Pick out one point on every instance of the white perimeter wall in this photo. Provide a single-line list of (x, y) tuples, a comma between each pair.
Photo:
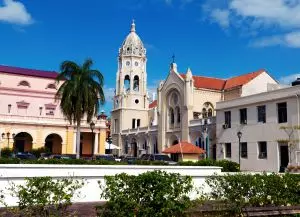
[(92, 174)]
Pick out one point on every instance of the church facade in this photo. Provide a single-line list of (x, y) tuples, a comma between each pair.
[(185, 107)]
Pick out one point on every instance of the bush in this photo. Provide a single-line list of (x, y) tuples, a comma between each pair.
[(151, 194), (43, 196), (9, 161), (38, 151), (6, 152), (227, 166), (246, 190)]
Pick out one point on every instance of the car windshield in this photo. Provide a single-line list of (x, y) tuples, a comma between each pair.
[(162, 157)]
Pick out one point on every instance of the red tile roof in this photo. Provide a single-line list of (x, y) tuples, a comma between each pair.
[(28, 72), (153, 104), (186, 148), (220, 84), (241, 80)]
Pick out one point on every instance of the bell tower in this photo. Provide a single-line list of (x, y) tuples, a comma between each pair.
[(130, 104)]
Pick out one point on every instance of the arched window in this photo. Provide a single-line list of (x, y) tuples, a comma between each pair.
[(204, 113), (171, 113), (127, 83), (210, 112), (208, 106), (136, 83), (178, 114), (24, 83), (51, 86)]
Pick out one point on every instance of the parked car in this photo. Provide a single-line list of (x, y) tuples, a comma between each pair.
[(129, 159), (25, 156), (105, 157), (158, 157), (58, 156)]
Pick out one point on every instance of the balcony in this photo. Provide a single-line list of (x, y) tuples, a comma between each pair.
[(203, 121), (41, 120), (140, 130)]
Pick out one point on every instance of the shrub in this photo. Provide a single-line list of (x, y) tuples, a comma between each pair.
[(151, 194), (43, 196), (38, 151), (9, 161), (2, 202), (6, 152), (227, 166), (244, 190)]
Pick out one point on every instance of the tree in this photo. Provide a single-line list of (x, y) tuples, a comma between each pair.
[(80, 94)]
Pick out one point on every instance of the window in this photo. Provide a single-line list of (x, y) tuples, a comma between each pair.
[(178, 114), (262, 150), (136, 83), (126, 83), (210, 112), (133, 123), (228, 150), (51, 86), (243, 116), (138, 122), (116, 126), (282, 112), (171, 116), (204, 113), (261, 114), (244, 150), (228, 119), (24, 83)]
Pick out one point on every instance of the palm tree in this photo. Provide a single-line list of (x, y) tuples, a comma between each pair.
[(80, 94)]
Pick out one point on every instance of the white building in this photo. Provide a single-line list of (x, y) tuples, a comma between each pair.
[(184, 109), (265, 145)]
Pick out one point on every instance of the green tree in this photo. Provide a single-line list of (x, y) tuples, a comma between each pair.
[(80, 94)]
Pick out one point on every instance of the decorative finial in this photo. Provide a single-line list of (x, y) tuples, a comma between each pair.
[(132, 26), (173, 58)]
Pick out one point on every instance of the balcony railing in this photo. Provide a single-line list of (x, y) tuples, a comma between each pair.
[(203, 121), (41, 120), (140, 130)]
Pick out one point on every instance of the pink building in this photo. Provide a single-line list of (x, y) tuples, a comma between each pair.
[(30, 117)]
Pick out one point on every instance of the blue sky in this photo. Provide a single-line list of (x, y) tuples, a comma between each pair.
[(217, 38)]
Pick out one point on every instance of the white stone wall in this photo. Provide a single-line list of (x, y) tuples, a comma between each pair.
[(92, 174)]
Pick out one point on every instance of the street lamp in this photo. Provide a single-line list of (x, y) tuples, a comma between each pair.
[(8, 138), (109, 142), (239, 135), (92, 126)]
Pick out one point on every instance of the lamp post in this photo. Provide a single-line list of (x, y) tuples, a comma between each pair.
[(109, 142), (92, 126), (7, 136), (239, 135)]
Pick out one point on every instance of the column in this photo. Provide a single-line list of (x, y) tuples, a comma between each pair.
[(96, 142), (74, 143)]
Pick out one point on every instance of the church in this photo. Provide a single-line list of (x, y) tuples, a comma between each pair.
[(184, 109)]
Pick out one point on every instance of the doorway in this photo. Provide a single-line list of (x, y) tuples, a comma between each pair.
[(214, 151), (284, 157)]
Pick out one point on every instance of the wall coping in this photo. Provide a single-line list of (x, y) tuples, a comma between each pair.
[(60, 166)]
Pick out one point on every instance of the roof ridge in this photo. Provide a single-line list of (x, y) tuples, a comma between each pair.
[(248, 73), (23, 68)]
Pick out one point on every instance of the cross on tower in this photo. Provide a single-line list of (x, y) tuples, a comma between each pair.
[(173, 58)]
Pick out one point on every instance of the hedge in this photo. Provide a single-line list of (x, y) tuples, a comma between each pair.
[(258, 190), (227, 166)]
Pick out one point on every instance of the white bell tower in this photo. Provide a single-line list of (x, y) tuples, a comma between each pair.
[(130, 104)]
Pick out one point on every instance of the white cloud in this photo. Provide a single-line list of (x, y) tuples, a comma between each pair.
[(221, 17), (290, 40), (289, 78), (109, 93), (15, 12), (260, 16)]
